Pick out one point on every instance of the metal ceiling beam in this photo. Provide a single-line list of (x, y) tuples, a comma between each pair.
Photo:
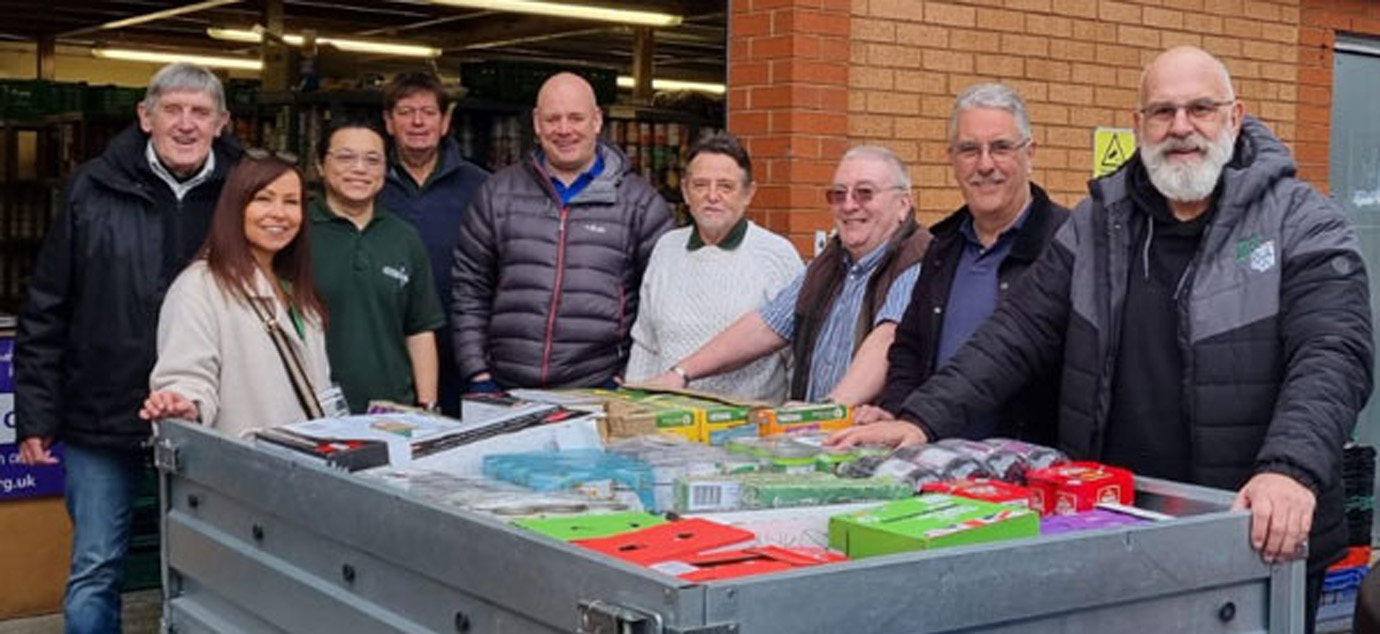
[(150, 17)]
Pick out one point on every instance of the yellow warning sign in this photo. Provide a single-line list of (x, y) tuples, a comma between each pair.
[(1111, 148)]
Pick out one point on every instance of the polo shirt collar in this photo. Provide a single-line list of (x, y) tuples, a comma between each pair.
[(730, 241), (969, 229), (569, 192), (318, 211)]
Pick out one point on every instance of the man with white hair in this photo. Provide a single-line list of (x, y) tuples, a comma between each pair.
[(129, 221), (839, 315), (1212, 316), (979, 253)]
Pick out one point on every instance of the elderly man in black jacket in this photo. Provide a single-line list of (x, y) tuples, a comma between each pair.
[(129, 221), (977, 254), (1213, 317)]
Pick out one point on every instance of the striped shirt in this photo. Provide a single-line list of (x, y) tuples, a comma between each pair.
[(834, 348)]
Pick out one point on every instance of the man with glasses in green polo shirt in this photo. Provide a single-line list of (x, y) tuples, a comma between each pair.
[(374, 273)]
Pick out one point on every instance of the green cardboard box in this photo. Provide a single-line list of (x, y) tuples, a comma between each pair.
[(926, 522), (590, 526)]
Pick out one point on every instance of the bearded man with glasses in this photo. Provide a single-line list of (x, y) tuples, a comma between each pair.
[(839, 316), (979, 253), (1210, 313)]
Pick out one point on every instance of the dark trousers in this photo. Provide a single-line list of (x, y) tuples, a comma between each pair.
[(1312, 596)]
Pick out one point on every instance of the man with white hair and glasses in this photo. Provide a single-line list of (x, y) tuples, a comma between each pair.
[(129, 221), (979, 253), (1212, 316), (839, 315)]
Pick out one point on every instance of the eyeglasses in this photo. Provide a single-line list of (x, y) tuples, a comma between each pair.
[(1001, 150), (347, 157), (261, 154), (1162, 114), (863, 194)]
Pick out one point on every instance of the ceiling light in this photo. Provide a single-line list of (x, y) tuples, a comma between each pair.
[(353, 46), (567, 10), (625, 81), (165, 57)]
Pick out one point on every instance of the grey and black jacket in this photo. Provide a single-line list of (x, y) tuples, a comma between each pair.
[(1274, 331), (545, 294)]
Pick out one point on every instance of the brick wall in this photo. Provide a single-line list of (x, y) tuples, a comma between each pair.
[(1077, 63), (788, 100), (886, 72), (1321, 21)]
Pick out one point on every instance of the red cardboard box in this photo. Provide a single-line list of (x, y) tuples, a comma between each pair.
[(1076, 487), (669, 541), (985, 489), (732, 564)]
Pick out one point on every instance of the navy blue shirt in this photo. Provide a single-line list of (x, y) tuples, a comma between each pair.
[(569, 192), (973, 297)]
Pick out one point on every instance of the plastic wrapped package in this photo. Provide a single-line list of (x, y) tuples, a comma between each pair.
[(592, 471), (493, 497), (924, 464), (1033, 456), (780, 490), (1004, 464)]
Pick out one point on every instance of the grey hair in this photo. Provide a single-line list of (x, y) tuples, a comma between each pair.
[(877, 152), (184, 76), (1217, 65), (993, 96)]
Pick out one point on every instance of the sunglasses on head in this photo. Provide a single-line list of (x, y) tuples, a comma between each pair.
[(260, 154)]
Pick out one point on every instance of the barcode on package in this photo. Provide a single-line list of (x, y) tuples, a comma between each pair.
[(713, 496)]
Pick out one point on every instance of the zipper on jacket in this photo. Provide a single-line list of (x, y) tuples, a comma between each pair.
[(555, 296)]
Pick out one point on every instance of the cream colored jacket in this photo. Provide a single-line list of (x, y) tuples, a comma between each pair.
[(214, 350)]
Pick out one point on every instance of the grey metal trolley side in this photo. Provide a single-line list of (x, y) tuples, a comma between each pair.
[(256, 542)]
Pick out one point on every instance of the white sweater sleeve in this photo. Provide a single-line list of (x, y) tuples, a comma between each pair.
[(189, 356), (646, 349)]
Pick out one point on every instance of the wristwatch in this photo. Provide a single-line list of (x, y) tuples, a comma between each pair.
[(680, 372)]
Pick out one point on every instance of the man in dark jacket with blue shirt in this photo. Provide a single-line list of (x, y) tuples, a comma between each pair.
[(978, 254), (1213, 317), (550, 257), (430, 185), (130, 220)]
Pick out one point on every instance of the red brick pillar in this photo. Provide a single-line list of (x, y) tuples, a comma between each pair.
[(788, 101)]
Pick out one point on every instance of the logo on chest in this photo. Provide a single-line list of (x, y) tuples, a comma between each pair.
[(1257, 253), (398, 273)]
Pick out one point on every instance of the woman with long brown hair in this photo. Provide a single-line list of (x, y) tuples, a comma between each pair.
[(241, 341)]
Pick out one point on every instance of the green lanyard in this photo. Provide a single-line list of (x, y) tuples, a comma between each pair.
[(293, 313)]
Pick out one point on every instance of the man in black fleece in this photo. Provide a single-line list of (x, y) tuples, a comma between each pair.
[(1210, 317)]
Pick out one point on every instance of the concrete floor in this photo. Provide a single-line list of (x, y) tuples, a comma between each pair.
[(141, 612)]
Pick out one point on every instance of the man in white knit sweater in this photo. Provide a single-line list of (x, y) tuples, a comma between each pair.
[(703, 277)]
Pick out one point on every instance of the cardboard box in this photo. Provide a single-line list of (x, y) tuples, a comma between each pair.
[(1077, 487), (590, 526), (732, 564), (636, 410), (702, 494), (669, 541), (795, 419), (984, 489), (37, 550), (926, 522)]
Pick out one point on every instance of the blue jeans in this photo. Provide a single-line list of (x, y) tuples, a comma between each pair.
[(101, 489)]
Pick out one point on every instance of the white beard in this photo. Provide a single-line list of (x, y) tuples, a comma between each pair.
[(1188, 181)]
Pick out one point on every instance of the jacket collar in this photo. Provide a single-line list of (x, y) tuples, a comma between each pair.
[(448, 161), (124, 166), (604, 189), (1029, 234)]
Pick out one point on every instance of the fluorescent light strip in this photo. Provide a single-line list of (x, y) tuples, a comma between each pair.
[(625, 81), (162, 57), (566, 10), (353, 46)]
